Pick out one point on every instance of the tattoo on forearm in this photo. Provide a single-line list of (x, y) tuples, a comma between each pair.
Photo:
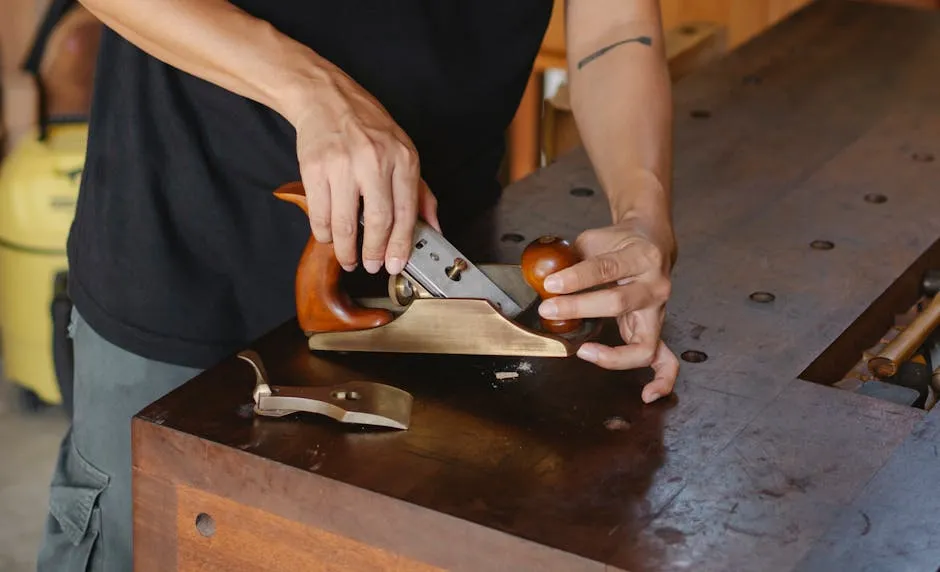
[(645, 40)]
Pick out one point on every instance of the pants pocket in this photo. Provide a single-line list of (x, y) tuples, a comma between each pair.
[(74, 522)]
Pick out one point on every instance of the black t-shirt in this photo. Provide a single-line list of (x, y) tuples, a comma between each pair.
[(179, 251)]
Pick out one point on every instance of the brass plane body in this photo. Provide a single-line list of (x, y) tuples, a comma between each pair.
[(459, 326)]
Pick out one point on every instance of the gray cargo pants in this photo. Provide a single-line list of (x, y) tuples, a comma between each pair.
[(89, 525)]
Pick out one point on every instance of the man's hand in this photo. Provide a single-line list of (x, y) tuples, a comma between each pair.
[(625, 274), (621, 97), (349, 146)]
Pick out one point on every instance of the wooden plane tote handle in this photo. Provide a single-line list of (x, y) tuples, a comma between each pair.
[(321, 305)]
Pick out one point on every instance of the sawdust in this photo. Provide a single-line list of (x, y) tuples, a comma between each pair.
[(521, 367)]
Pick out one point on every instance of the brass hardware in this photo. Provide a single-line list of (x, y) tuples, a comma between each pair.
[(453, 271), (358, 402), (898, 350)]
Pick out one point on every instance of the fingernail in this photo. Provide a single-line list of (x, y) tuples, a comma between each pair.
[(372, 266), (548, 309), (587, 352), (395, 265), (349, 267), (652, 397), (552, 284)]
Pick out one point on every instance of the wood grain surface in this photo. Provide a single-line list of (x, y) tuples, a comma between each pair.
[(746, 467), (223, 537)]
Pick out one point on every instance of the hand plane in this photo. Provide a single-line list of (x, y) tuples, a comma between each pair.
[(441, 303)]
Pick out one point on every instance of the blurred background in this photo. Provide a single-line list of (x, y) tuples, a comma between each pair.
[(47, 65)]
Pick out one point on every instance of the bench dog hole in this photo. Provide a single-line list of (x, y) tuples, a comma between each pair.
[(616, 423), (822, 245), (762, 297), (582, 192), (205, 524), (752, 79), (876, 198), (512, 237), (694, 356)]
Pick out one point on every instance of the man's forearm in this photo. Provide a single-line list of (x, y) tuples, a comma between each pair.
[(621, 99), (216, 41)]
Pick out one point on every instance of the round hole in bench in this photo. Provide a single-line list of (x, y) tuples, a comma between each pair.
[(205, 524), (512, 237), (616, 423), (822, 245), (700, 114), (752, 79), (581, 192), (876, 198), (762, 297), (694, 356), (688, 30)]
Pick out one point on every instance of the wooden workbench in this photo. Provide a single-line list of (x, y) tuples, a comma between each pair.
[(825, 128)]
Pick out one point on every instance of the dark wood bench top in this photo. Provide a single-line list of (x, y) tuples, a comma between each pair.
[(754, 463)]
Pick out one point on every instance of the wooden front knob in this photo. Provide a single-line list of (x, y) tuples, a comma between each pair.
[(541, 258), (322, 306)]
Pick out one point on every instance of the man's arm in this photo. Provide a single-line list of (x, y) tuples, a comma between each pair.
[(347, 143), (216, 41), (622, 101), (621, 98)]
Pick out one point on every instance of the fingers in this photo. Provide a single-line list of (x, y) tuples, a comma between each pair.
[(631, 260), (317, 190), (380, 208), (666, 371), (404, 193), (644, 348), (607, 302), (664, 364), (631, 356), (344, 196), (381, 167)]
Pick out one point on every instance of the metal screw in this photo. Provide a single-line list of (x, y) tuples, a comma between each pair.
[(453, 272)]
